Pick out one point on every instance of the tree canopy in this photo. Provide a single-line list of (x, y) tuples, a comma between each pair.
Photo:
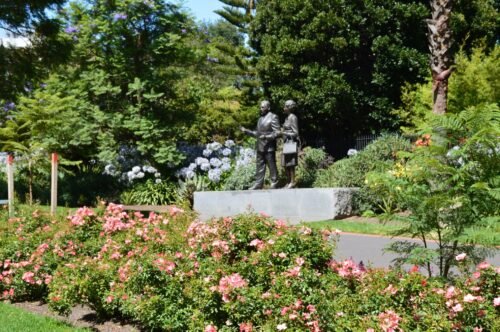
[(345, 61)]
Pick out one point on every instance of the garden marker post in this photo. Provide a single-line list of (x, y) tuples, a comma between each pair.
[(53, 186), (10, 183)]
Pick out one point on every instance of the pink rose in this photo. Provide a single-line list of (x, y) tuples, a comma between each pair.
[(461, 257), (496, 301), (210, 328), (483, 265)]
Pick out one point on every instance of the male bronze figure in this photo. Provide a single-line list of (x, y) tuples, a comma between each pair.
[(268, 129)]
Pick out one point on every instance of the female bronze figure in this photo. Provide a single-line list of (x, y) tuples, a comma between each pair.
[(290, 134)]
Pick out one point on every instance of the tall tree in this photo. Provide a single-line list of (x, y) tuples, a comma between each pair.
[(21, 68), (238, 12), (343, 61), (440, 45), (346, 61)]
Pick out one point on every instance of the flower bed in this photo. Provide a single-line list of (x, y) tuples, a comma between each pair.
[(251, 273)]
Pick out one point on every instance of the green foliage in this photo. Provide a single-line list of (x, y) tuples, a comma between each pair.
[(449, 183), (341, 61), (346, 61), (241, 178), (351, 172), (474, 82), (151, 193), (311, 160)]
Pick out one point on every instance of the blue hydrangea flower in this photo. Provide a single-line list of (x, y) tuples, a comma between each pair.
[(119, 16), (229, 143), (9, 106), (192, 166), (72, 29), (226, 152), (205, 166), (225, 167), (207, 152)]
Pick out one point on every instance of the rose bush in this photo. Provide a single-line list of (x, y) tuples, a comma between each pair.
[(250, 273)]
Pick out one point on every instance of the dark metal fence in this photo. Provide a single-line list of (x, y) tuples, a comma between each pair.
[(364, 140)]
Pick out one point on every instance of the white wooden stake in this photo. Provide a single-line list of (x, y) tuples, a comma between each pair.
[(53, 187), (10, 184)]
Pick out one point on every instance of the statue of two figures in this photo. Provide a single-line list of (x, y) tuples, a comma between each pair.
[(267, 132)]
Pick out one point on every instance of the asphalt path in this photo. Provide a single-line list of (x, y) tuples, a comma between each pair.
[(370, 250)]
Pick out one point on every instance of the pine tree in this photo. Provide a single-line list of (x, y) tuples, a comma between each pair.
[(238, 12), (240, 61)]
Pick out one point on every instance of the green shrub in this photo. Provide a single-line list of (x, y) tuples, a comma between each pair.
[(311, 160), (449, 183), (241, 178), (351, 172), (250, 273)]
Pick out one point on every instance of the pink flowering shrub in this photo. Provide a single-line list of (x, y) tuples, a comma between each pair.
[(250, 273)]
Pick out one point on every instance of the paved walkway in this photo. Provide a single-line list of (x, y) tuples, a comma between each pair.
[(369, 249)]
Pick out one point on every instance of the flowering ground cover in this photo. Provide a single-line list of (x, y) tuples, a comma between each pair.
[(250, 273)]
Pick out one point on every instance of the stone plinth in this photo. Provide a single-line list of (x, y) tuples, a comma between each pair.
[(293, 205)]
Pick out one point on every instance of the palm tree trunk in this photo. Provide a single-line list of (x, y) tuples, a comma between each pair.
[(439, 45)]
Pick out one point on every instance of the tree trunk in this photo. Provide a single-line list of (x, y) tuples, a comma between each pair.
[(440, 96), (439, 45)]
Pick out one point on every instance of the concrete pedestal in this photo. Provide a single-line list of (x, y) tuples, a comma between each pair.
[(293, 205)]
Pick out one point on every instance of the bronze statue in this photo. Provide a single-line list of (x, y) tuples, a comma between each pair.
[(268, 129), (290, 133)]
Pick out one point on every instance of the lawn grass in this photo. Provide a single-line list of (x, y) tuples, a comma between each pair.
[(482, 236), (14, 319), (361, 226)]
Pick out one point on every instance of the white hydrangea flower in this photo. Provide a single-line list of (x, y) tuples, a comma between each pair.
[(229, 143), (136, 169), (205, 166), (201, 160), (226, 152), (352, 152), (190, 174), (130, 175), (214, 175), (149, 169), (207, 152), (158, 181), (214, 146), (139, 175), (215, 162)]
